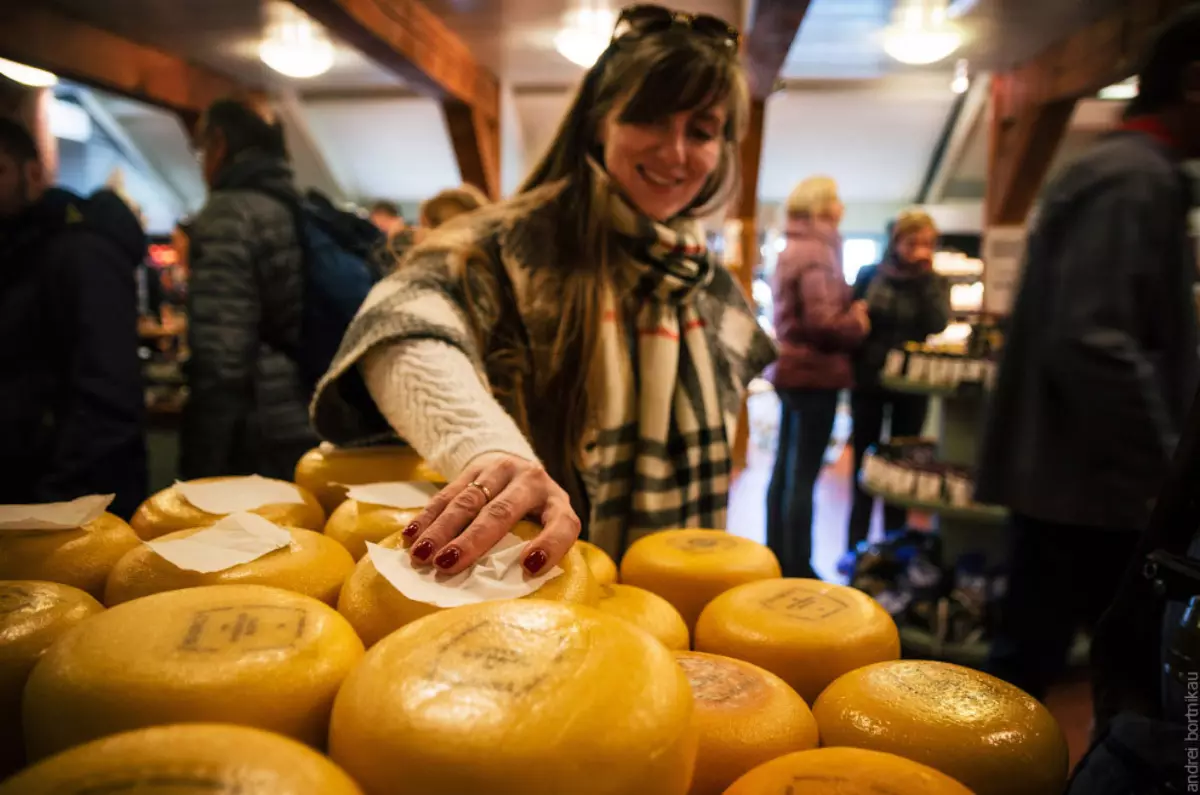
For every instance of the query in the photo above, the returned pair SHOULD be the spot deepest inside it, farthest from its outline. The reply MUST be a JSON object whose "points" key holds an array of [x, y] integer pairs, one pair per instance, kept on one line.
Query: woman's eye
{"points": [[702, 134]]}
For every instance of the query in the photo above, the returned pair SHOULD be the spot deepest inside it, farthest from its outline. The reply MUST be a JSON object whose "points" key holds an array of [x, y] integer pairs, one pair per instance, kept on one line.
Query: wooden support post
{"points": [[476, 141], [746, 212]]}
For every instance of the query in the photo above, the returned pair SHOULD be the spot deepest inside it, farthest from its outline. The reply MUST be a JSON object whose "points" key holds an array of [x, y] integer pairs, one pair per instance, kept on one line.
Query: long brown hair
{"points": [[650, 77]]}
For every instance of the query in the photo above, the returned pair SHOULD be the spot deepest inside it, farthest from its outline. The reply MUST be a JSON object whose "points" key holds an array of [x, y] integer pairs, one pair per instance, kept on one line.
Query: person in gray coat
{"points": [[1099, 370], [247, 411]]}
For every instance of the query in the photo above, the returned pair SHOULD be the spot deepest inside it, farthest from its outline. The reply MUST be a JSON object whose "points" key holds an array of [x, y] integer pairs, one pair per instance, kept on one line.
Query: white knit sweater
{"points": [[431, 395]]}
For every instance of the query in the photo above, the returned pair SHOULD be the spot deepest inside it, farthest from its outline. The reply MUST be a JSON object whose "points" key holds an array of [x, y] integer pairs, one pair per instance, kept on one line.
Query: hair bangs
{"points": [[683, 79]]}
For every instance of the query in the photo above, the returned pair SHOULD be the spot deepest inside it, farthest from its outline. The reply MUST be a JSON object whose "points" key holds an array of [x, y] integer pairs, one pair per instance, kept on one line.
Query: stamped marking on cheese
{"points": [[704, 544], [720, 684], [22, 599], [245, 629], [151, 783], [805, 605], [506, 657]]}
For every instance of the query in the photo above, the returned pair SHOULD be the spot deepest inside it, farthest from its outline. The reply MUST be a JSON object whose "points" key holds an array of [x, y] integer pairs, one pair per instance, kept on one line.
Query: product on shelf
{"points": [[646, 611], [215, 759], [689, 568], [33, 614], [745, 715], [375, 608], [518, 697], [81, 557], [851, 771], [981, 731], [807, 632], [909, 469], [242, 654], [924, 365]]}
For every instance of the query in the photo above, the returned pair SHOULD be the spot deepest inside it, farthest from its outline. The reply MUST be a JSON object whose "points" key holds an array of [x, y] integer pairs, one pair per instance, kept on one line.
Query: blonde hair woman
{"points": [[573, 354], [907, 302], [817, 325]]}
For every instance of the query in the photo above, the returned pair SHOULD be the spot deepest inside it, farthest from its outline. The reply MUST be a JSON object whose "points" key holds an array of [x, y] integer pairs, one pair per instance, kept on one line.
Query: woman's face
{"points": [[661, 167], [916, 248]]}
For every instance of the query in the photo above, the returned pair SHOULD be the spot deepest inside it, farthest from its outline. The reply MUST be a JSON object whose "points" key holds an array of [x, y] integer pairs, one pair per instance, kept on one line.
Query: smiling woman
{"points": [[573, 354]]}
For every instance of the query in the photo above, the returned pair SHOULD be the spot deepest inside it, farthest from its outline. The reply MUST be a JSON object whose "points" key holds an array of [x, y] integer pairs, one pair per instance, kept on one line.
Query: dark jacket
{"points": [[903, 308], [247, 411], [1100, 362], [813, 323], [72, 403]]}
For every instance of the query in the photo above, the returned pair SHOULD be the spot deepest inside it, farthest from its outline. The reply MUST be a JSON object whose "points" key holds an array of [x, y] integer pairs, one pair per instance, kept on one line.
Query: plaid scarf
{"points": [[665, 403], [660, 454]]}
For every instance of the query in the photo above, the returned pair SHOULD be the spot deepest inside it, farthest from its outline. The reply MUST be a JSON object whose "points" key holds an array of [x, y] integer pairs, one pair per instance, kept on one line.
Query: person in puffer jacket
{"points": [[817, 325]]}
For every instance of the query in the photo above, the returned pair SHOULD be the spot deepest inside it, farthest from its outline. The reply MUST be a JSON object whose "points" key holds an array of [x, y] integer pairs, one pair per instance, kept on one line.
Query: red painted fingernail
{"points": [[412, 530], [534, 561], [423, 550], [448, 557]]}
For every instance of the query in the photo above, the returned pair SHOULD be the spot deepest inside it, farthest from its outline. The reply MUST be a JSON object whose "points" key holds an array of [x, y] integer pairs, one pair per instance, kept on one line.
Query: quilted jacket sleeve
{"points": [[224, 311]]}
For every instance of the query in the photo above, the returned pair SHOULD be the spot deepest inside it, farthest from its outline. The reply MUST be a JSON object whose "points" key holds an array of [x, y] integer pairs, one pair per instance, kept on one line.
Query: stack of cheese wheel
{"points": [[169, 511], [689, 568], [33, 615], [648, 612], [746, 716], [986, 733], [311, 564], [214, 759], [243, 654], [602, 566], [375, 608], [806, 631], [326, 470], [81, 557], [516, 697], [846, 771], [392, 507]]}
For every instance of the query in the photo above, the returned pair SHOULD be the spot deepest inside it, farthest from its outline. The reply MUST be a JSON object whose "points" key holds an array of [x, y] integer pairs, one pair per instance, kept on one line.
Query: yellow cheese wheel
{"points": [[689, 568], [844, 771], [647, 611], [187, 759], [517, 697], [375, 608], [168, 511], [326, 469], [973, 727], [312, 565], [243, 654], [81, 558], [807, 632], [33, 614], [746, 716], [352, 524], [602, 566]]}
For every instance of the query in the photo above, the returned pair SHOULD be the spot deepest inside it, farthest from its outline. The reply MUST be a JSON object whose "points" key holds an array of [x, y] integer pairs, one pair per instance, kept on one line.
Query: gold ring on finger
{"points": [[487, 493]]}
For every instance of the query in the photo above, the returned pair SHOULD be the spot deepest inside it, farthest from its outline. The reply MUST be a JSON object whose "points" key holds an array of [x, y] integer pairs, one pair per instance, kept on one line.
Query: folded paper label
{"points": [[497, 575], [55, 516], [238, 538], [239, 494], [409, 495]]}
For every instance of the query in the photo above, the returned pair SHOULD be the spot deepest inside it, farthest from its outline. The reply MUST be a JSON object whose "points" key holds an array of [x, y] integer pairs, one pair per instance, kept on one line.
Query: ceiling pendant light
{"points": [[585, 33], [27, 75], [920, 33], [962, 77], [293, 44]]}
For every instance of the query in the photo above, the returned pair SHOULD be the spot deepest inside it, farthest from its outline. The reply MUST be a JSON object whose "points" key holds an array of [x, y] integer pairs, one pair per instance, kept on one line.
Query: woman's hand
{"points": [[859, 310], [471, 515]]}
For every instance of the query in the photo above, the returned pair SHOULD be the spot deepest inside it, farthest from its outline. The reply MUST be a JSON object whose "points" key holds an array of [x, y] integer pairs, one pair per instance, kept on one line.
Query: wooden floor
{"points": [[1070, 702]]}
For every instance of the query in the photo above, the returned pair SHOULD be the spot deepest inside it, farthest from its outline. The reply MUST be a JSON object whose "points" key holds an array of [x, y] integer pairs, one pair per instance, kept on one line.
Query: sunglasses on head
{"points": [[643, 19]]}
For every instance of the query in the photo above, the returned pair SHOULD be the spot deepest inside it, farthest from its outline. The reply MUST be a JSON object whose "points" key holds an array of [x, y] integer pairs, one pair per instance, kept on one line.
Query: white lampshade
{"points": [[293, 44], [585, 35], [920, 33]]}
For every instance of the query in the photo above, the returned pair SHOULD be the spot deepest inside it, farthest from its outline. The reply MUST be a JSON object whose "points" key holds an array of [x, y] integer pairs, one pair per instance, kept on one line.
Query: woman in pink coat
{"points": [[817, 325]]}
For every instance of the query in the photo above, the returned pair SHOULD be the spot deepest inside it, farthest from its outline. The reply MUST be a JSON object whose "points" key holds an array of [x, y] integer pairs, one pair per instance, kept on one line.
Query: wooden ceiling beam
{"points": [[409, 39], [476, 141], [33, 34], [773, 28]]}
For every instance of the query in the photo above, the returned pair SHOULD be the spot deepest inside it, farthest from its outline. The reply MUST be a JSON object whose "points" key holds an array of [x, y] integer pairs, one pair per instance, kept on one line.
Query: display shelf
{"points": [[983, 514], [909, 387]]}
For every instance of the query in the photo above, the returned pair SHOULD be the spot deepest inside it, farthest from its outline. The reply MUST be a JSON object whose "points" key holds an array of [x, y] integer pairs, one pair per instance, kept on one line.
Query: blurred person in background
{"points": [[1099, 369], [449, 204], [386, 215], [247, 409], [906, 302], [817, 326], [72, 401], [574, 354]]}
